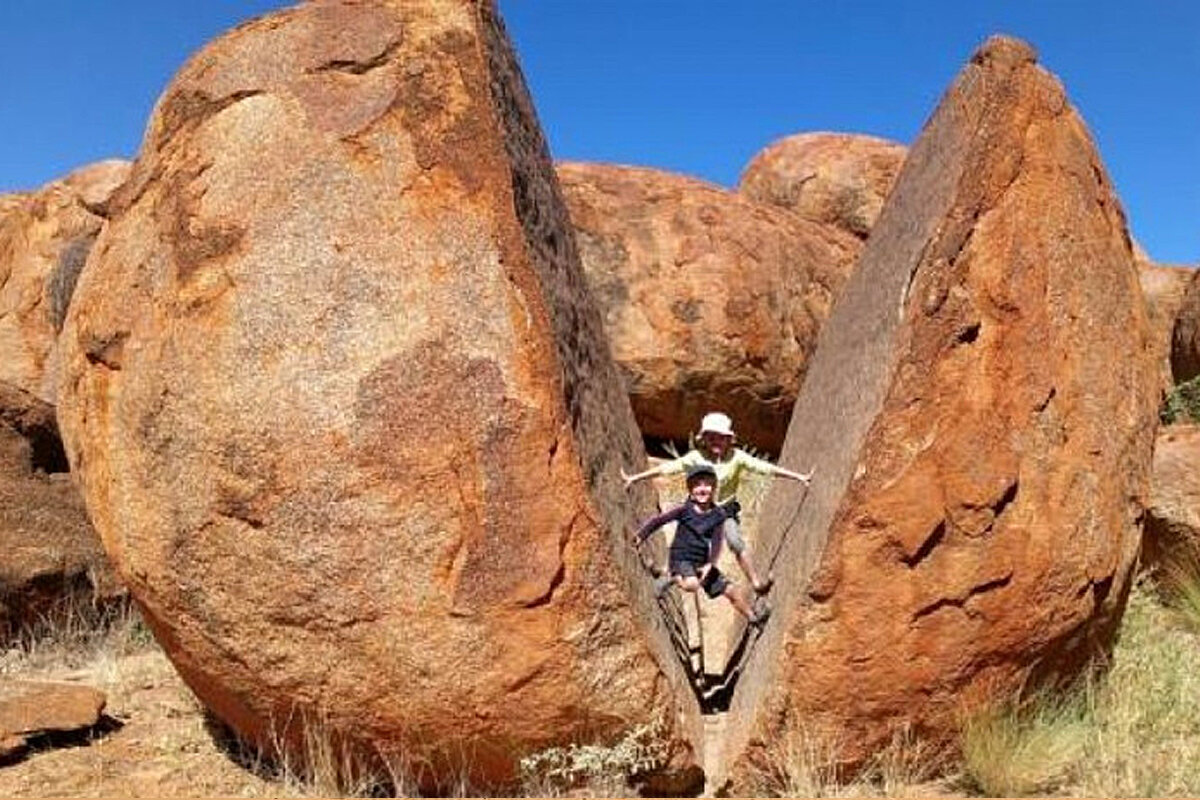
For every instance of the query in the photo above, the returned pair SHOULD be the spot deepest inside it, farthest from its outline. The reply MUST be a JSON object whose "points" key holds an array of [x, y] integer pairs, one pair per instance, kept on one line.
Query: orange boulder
{"points": [[1173, 518], [343, 411], [1164, 288], [838, 179], [1185, 337], [980, 412], [710, 300], [45, 237]]}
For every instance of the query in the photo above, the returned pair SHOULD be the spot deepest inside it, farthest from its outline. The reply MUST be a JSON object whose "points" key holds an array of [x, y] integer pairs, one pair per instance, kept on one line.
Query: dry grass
{"points": [[807, 764]]}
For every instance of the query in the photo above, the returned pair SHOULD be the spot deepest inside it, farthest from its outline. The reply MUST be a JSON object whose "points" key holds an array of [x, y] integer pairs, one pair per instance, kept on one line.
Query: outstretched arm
{"points": [[805, 477], [666, 468], [654, 523], [765, 467]]}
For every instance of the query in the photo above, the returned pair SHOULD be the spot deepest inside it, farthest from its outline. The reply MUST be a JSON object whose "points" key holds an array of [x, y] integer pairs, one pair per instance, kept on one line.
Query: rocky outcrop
{"points": [[1185, 338], [344, 413], [45, 237], [980, 412], [52, 567], [710, 301], [1164, 288], [837, 179], [1172, 537]]}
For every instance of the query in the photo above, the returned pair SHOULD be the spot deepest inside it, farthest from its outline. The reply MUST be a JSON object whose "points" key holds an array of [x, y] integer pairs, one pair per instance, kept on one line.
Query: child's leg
{"points": [[733, 537], [738, 601], [689, 583]]}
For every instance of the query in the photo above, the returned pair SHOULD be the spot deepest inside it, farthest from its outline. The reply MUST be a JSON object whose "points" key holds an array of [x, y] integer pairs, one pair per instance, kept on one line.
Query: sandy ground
{"points": [[161, 749]]}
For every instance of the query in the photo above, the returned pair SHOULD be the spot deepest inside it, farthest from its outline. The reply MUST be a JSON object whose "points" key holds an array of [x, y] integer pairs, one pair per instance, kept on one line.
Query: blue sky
{"points": [[695, 87]]}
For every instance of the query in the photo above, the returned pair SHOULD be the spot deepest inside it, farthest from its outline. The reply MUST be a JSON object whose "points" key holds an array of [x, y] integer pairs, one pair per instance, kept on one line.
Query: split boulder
{"points": [[344, 413], [980, 412], [711, 301]]}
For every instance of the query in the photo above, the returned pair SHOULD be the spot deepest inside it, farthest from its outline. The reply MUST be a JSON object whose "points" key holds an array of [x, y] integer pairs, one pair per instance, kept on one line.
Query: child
{"points": [[715, 447], [697, 543]]}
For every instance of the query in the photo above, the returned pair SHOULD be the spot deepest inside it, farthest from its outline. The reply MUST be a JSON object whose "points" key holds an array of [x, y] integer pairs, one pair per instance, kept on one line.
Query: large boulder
{"points": [[710, 300], [1172, 538], [343, 410], [45, 237], [1164, 288], [980, 412], [33, 709], [837, 179], [1185, 337], [52, 567]]}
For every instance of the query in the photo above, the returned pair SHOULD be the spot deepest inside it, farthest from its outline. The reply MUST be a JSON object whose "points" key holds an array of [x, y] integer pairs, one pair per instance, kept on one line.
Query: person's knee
{"points": [[689, 584]]}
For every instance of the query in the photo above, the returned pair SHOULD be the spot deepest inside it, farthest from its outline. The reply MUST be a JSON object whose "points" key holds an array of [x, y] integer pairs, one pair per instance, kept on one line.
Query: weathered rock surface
{"points": [[838, 179], [45, 237], [1164, 288], [343, 410], [980, 411], [51, 561], [1185, 339], [1173, 518], [29, 709], [710, 301]]}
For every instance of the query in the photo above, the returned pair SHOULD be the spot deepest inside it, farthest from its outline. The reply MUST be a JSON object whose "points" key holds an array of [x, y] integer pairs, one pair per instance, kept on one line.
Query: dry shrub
{"points": [[804, 763]]}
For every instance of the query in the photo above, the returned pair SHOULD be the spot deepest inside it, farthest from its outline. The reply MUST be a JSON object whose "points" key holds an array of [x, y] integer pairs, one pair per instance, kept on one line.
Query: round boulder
{"points": [[711, 301], [836, 178]]}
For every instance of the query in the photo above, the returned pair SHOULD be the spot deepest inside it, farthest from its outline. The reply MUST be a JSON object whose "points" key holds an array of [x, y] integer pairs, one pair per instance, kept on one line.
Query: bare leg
{"points": [[739, 602], [688, 584], [733, 537]]}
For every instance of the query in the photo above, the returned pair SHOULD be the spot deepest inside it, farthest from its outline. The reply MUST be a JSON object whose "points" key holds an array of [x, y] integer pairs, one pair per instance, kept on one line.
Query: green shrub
{"points": [[1181, 403]]}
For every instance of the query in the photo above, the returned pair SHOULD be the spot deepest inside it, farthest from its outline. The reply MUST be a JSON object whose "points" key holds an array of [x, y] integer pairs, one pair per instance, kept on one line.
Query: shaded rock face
{"points": [[45, 237], [343, 410], [838, 179], [51, 561], [1173, 518], [1185, 337], [710, 301], [980, 412], [1164, 288]]}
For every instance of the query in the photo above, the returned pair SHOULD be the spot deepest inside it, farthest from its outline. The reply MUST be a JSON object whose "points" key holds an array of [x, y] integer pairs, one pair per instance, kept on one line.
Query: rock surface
{"points": [[1185, 338], [711, 301], [343, 410], [981, 411], [1173, 518], [1164, 288], [29, 709], [838, 179], [51, 563], [45, 237]]}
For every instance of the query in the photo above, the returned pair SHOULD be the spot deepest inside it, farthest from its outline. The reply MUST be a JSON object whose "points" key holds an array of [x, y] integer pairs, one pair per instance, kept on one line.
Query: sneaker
{"points": [[661, 584], [761, 616]]}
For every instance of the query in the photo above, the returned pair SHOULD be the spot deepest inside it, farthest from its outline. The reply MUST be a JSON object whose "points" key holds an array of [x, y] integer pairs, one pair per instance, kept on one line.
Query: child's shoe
{"points": [[661, 585], [761, 615]]}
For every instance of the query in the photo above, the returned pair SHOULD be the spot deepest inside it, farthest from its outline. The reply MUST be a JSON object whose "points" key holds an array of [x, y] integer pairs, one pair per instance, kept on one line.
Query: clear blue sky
{"points": [[686, 85]]}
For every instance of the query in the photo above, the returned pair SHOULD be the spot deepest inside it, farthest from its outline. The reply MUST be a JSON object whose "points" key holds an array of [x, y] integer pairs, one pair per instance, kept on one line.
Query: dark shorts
{"points": [[733, 509], [714, 584]]}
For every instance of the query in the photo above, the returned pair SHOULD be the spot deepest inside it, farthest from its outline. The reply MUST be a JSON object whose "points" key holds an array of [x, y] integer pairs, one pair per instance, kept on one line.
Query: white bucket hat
{"points": [[716, 422]]}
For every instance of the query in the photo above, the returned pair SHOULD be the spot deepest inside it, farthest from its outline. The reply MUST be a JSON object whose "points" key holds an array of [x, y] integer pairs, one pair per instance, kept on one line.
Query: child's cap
{"points": [[716, 422], [696, 470]]}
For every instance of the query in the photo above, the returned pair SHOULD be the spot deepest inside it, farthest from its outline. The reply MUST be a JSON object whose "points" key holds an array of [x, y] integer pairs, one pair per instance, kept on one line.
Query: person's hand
{"points": [[627, 478], [634, 541], [806, 477], [702, 573]]}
